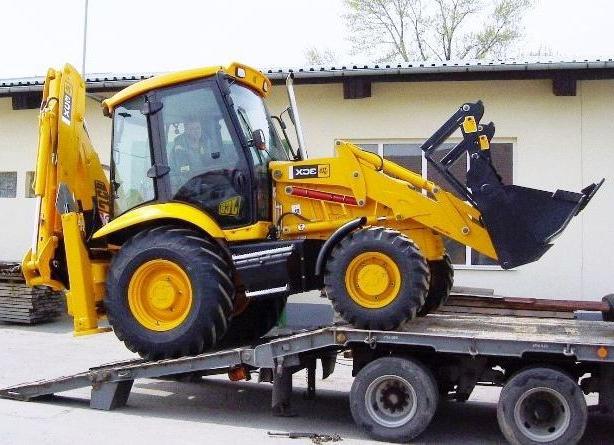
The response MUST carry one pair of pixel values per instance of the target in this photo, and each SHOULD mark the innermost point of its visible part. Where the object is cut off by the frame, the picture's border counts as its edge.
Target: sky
(151, 36)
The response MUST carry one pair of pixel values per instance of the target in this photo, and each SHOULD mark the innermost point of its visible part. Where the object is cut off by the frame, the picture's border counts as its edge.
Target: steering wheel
(207, 186)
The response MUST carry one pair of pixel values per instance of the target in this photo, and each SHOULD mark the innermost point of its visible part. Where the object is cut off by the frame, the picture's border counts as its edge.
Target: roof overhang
(358, 78)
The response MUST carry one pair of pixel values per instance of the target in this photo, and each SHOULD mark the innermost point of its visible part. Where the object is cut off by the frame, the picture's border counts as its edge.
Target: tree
(320, 57)
(434, 29)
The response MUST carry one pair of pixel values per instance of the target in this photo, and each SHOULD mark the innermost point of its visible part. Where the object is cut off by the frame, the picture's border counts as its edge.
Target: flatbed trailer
(543, 364)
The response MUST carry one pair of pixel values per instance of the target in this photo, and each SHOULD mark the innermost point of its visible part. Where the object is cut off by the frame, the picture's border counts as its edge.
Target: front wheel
(376, 278)
(169, 293)
(442, 278)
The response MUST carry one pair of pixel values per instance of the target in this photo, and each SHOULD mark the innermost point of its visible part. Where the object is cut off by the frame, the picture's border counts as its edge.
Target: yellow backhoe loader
(209, 220)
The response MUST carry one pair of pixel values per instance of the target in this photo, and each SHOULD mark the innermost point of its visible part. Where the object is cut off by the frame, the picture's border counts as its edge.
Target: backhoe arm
(72, 200)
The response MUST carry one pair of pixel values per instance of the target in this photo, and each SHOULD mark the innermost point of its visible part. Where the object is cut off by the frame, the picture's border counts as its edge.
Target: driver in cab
(191, 154)
(201, 173)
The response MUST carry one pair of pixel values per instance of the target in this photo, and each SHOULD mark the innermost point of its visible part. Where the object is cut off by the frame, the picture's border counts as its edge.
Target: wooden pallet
(22, 304)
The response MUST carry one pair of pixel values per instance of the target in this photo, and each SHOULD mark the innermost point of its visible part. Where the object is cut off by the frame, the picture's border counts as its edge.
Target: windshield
(253, 115)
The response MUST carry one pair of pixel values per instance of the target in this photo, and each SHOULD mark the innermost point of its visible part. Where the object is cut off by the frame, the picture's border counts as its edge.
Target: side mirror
(259, 139)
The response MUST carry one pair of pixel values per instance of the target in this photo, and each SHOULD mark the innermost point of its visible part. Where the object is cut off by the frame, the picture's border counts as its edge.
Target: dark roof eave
(581, 70)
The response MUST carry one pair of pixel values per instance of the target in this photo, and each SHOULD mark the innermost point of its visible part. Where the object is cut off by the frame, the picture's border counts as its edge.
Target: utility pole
(84, 40)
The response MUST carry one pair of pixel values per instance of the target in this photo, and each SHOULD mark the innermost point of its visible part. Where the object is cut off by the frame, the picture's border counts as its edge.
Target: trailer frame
(469, 345)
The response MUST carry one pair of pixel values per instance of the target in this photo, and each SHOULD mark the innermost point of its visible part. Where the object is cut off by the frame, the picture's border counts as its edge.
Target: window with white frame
(408, 154)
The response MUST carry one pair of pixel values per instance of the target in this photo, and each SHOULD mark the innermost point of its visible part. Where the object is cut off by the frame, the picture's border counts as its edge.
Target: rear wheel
(442, 278)
(169, 293)
(258, 318)
(394, 399)
(376, 278)
(542, 406)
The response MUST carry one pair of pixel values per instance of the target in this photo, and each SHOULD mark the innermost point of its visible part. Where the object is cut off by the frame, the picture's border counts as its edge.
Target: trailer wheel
(442, 278)
(169, 293)
(394, 399)
(376, 278)
(542, 406)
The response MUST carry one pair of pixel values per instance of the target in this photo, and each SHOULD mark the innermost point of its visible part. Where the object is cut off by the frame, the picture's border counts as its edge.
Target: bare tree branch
(426, 29)
(320, 57)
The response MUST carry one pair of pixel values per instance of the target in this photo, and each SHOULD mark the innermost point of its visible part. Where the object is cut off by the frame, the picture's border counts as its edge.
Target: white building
(555, 127)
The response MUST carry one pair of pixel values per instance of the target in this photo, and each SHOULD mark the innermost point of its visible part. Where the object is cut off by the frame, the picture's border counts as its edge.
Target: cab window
(207, 165)
(252, 115)
(131, 158)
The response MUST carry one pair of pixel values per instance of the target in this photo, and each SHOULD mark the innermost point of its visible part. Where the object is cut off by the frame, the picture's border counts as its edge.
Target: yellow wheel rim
(373, 280)
(160, 295)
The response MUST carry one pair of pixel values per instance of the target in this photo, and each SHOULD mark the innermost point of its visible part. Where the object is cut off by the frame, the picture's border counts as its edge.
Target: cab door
(207, 165)
(252, 116)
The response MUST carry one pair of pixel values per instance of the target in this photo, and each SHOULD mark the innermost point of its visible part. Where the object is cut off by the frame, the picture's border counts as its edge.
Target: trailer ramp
(471, 335)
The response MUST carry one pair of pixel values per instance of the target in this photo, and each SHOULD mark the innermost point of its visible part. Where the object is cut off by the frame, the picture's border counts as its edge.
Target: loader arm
(72, 200)
(510, 224)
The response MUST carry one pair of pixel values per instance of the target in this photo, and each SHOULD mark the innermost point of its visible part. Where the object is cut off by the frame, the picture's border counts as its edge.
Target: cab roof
(240, 72)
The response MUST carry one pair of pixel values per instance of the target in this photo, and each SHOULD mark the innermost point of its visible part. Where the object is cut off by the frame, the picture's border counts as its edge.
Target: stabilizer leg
(108, 396)
(282, 392)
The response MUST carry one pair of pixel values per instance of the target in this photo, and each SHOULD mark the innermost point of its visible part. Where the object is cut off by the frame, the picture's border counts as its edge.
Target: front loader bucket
(522, 222)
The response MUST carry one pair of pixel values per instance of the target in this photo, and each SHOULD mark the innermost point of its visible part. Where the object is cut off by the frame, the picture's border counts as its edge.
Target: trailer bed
(473, 335)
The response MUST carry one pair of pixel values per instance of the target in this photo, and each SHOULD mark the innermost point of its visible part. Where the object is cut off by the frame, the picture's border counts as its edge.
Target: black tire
(212, 292)
(258, 318)
(413, 272)
(547, 393)
(440, 285)
(609, 314)
(400, 418)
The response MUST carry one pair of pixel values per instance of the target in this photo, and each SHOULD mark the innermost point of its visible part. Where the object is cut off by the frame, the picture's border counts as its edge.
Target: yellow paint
(373, 280)
(230, 206)
(484, 143)
(81, 297)
(160, 295)
(169, 211)
(256, 231)
(252, 78)
(179, 212)
(388, 195)
(64, 155)
(470, 125)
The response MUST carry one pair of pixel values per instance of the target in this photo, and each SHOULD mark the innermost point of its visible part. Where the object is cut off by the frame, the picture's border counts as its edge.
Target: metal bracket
(371, 340)
(569, 351)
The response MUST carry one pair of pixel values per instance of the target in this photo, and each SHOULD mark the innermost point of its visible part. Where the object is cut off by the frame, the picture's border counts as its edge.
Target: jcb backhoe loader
(209, 221)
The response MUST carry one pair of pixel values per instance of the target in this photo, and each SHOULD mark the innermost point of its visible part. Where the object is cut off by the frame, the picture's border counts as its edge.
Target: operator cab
(206, 142)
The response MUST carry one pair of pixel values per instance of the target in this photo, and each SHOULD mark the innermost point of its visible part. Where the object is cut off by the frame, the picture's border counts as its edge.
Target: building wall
(18, 142)
(559, 142)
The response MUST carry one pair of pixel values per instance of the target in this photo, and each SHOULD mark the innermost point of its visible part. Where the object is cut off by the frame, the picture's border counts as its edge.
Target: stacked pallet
(22, 304)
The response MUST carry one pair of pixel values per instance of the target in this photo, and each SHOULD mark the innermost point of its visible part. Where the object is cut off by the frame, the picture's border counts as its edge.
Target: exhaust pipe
(295, 117)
